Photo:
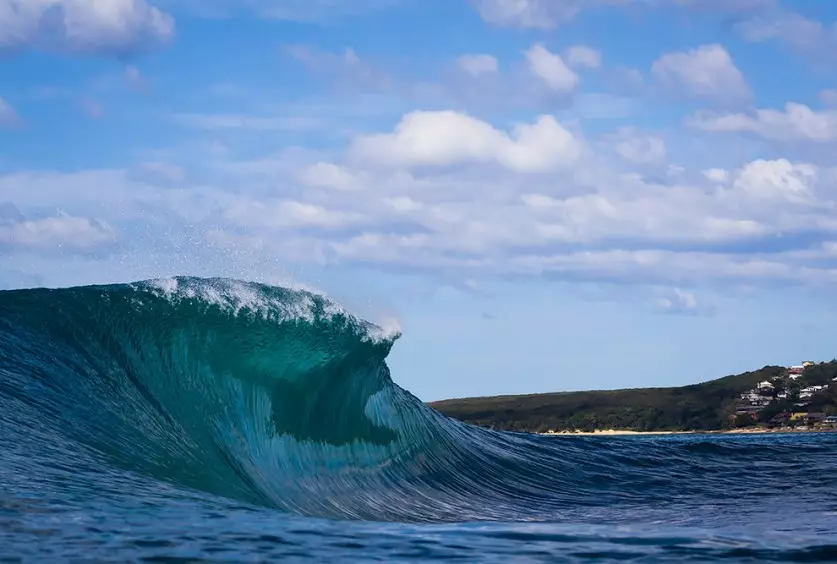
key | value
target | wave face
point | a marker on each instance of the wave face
(279, 398)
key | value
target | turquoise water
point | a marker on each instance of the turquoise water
(219, 420)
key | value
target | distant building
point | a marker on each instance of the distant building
(810, 390)
(815, 418)
(808, 363)
(765, 385)
(779, 420)
(752, 396)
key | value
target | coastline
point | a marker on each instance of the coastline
(623, 432)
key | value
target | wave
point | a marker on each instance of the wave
(281, 398)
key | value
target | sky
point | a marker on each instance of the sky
(544, 195)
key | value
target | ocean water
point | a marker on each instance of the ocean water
(190, 420)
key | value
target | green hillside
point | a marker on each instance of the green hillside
(706, 406)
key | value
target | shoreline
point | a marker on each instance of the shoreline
(623, 432)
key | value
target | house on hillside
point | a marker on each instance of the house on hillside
(779, 420)
(807, 393)
(752, 397)
(814, 418)
(807, 363)
(765, 385)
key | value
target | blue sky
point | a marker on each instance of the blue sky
(545, 194)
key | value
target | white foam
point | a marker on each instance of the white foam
(238, 297)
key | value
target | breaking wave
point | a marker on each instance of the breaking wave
(281, 398)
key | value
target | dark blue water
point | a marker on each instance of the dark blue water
(189, 420)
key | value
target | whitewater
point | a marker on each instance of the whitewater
(217, 420)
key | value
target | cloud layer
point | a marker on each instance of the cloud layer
(104, 27)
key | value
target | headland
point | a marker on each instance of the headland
(773, 399)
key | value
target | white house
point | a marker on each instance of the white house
(765, 385)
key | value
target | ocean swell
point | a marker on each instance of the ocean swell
(280, 398)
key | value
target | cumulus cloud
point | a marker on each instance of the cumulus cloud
(551, 69)
(63, 232)
(331, 176)
(791, 28)
(448, 194)
(542, 14)
(675, 300)
(478, 64)
(448, 138)
(637, 147)
(583, 56)
(100, 27)
(716, 175)
(797, 122)
(282, 214)
(707, 71)
(777, 179)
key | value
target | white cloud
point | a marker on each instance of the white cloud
(282, 214)
(346, 66)
(797, 122)
(707, 71)
(716, 175)
(103, 27)
(551, 69)
(791, 28)
(583, 56)
(478, 64)
(638, 148)
(57, 233)
(778, 179)
(448, 138)
(542, 14)
(156, 172)
(330, 175)
(8, 115)
(397, 200)
(675, 300)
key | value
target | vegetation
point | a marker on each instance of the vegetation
(706, 406)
